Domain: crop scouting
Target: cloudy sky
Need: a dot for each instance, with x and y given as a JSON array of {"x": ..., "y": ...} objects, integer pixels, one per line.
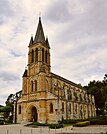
[{"x": 77, "y": 32}]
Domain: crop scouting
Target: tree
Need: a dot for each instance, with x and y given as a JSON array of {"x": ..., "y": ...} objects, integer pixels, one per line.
[
  {"x": 99, "y": 90},
  {"x": 105, "y": 78},
  {"x": 9, "y": 99},
  {"x": 5, "y": 111}
]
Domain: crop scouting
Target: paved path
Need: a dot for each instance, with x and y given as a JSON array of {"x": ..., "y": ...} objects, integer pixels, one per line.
[{"x": 20, "y": 129}]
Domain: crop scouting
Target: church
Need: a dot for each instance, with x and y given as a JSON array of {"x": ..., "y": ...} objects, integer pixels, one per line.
[{"x": 47, "y": 97}]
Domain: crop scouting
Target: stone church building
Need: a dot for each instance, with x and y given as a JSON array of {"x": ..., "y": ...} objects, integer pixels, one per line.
[{"x": 47, "y": 97}]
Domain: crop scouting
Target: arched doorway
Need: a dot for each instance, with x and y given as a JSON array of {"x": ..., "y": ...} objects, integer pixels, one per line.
[{"x": 34, "y": 115}]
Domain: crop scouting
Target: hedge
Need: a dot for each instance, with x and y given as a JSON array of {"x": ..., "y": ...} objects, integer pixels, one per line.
[
  {"x": 36, "y": 124},
  {"x": 71, "y": 121},
  {"x": 82, "y": 124},
  {"x": 43, "y": 124},
  {"x": 1, "y": 123},
  {"x": 55, "y": 126},
  {"x": 98, "y": 122}
]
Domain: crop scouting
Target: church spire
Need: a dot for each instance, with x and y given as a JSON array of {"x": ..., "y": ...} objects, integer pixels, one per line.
[
  {"x": 47, "y": 42},
  {"x": 39, "y": 37},
  {"x": 31, "y": 41}
]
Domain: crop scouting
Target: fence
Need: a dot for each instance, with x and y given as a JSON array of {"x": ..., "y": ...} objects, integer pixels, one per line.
[{"x": 40, "y": 130}]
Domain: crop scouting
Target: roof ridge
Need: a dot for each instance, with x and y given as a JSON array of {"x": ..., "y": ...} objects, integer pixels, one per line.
[{"x": 68, "y": 81}]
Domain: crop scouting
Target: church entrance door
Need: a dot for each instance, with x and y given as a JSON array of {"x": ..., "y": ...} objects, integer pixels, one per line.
[{"x": 34, "y": 114}]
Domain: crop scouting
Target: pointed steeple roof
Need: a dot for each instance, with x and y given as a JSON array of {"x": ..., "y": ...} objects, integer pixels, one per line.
[
  {"x": 25, "y": 73},
  {"x": 31, "y": 41},
  {"x": 39, "y": 37},
  {"x": 47, "y": 42}
]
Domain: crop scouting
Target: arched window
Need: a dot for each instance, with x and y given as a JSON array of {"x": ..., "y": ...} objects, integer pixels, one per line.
[
  {"x": 43, "y": 54},
  {"x": 69, "y": 95},
  {"x": 85, "y": 97},
  {"x": 70, "y": 107},
  {"x": 19, "y": 109},
  {"x": 36, "y": 54},
  {"x": 80, "y": 97},
  {"x": 35, "y": 85},
  {"x": 32, "y": 56},
  {"x": 76, "y": 108},
  {"x": 46, "y": 56},
  {"x": 63, "y": 107},
  {"x": 32, "y": 86},
  {"x": 76, "y": 96},
  {"x": 51, "y": 108}
]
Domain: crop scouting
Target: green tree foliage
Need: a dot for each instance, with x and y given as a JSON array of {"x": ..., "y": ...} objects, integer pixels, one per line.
[
  {"x": 105, "y": 108},
  {"x": 99, "y": 90},
  {"x": 9, "y": 99},
  {"x": 5, "y": 111}
]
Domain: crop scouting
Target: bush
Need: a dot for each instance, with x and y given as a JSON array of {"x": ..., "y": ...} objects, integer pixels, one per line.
[
  {"x": 34, "y": 124},
  {"x": 9, "y": 122},
  {"x": 71, "y": 121},
  {"x": 1, "y": 123},
  {"x": 43, "y": 124},
  {"x": 98, "y": 122},
  {"x": 82, "y": 124},
  {"x": 99, "y": 118},
  {"x": 55, "y": 126}
]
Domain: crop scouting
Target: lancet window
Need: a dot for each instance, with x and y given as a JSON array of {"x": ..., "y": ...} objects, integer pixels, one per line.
[
  {"x": 32, "y": 56},
  {"x": 35, "y": 85},
  {"x": 42, "y": 54},
  {"x": 19, "y": 110},
  {"x": 46, "y": 56},
  {"x": 62, "y": 107},
  {"x": 36, "y": 54},
  {"x": 32, "y": 86},
  {"x": 51, "y": 108}
]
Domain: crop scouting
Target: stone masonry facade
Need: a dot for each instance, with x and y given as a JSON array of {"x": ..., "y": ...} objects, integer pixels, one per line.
[{"x": 47, "y": 97}]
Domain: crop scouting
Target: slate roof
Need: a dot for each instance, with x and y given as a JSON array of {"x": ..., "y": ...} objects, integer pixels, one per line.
[
  {"x": 31, "y": 41},
  {"x": 25, "y": 73},
  {"x": 47, "y": 42},
  {"x": 67, "y": 81},
  {"x": 39, "y": 37}
]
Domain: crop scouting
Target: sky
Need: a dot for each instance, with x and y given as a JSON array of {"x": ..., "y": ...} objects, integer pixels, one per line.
[{"x": 77, "y": 32}]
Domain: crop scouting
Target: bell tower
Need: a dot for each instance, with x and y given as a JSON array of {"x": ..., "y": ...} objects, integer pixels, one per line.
[{"x": 39, "y": 52}]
